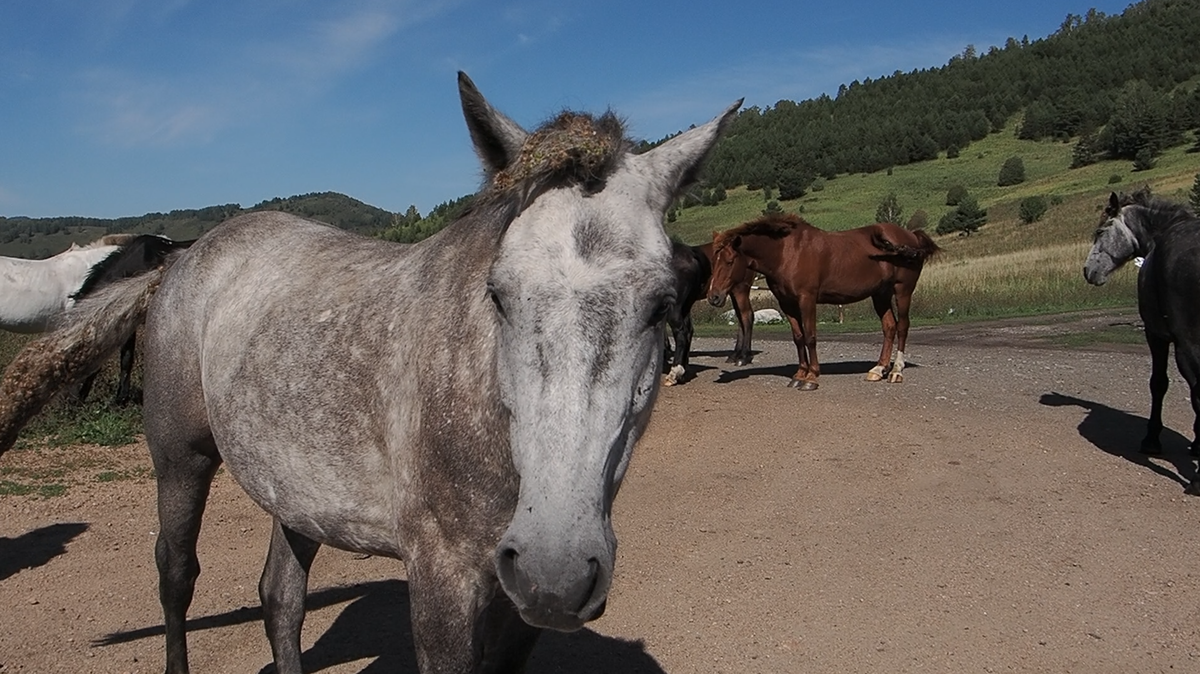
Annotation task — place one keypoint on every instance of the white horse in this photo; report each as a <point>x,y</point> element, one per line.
<point>33,293</point>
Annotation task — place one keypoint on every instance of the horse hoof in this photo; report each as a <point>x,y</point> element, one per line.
<point>874,376</point>
<point>1193,489</point>
<point>1151,447</point>
<point>803,384</point>
<point>668,381</point>
<point>896,378</point>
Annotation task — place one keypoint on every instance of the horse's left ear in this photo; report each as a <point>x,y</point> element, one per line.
<point>675,164</point>
<point>1114,205</point>
<point>497,138</point>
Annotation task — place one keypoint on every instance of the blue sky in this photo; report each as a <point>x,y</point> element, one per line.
<point>112,108</point>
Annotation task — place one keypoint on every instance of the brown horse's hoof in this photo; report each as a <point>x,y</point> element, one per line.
<point>803,384</point>
<point>896,378</point>
<point>874,376</point>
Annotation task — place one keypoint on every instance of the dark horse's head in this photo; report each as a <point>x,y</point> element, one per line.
<point>580,286</point>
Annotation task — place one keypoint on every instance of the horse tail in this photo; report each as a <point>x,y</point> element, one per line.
<point>924,249</point>
<point>90,332</point>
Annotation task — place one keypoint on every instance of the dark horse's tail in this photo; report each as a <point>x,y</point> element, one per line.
<point>925,248</point>
<point>106,315</point>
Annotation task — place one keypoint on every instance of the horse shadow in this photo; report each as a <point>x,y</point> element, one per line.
<point>35,548</point>
<point>376,626</point>
<point>841,367</point>
<point>1119,433</point>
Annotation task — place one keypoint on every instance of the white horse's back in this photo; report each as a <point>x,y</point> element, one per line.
<point>33,293</point>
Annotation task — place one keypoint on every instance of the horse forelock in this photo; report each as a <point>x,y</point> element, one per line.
<point>573,148</point>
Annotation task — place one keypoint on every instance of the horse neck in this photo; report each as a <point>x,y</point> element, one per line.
<point>1144,232</point>
<point>763,253</point>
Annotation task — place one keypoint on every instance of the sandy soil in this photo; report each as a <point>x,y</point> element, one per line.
<point>988,515</point>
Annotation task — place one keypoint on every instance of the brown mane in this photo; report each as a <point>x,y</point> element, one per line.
<point>774,225</point>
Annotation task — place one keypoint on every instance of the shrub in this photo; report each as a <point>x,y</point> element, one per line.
<point>956,194</point>
<point>1114,179</point>
<point>919,220</point>
<point>1032,209</point>
<point>964,219</point>
<point>1144,160</point>
<point>1012,172</point>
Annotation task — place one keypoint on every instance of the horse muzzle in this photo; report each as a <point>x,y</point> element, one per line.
<point>554,590</point>
<point>716,299</point>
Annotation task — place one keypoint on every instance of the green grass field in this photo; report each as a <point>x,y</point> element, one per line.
<point>1007,268</point>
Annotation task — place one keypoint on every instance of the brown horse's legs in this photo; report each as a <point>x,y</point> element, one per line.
<point>803,317</point>
<point>903,303</point>
<point>887,321</point>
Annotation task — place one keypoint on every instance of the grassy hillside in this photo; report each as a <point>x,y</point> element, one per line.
<point>1007,267</point>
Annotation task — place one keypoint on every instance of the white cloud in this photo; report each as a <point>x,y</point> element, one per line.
<point>129,107</point>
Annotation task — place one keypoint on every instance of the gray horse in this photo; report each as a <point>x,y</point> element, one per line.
<point>1167,235</point>
<point>483,449</point>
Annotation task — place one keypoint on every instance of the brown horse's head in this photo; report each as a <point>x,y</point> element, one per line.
<point>728,266</point>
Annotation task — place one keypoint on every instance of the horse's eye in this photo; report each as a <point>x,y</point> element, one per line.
<point>495,297</point>
<point>661,310</point>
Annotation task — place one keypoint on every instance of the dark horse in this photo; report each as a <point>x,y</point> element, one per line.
<point>805,266</point>
<point>135,256</point>
<point>1167,235</point>
<point>693,270</point>
<point>484,447</point>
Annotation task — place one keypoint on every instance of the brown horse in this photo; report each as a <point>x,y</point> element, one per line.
<point>739,294</point>
<point>805,266</point>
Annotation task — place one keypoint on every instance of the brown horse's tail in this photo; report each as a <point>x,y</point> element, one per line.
<point>91,332</point>
<point>925,248</point>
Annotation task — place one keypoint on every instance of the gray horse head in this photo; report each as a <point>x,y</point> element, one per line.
<point>581,284</point>
<point>1116,241</point>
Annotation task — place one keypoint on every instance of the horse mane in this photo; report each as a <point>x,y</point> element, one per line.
<point>1158,213</point>
<point>139,253</point>
<point>774,225</point>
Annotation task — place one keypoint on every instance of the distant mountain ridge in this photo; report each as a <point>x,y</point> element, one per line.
<point>42,237</point>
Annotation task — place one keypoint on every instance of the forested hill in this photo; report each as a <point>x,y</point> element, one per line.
<point>41,237</point>
<point>1126,84</point>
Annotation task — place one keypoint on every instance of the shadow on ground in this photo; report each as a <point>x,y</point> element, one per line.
<point>375,627</point>
<point>35,548</point>
<point>1119,433</point>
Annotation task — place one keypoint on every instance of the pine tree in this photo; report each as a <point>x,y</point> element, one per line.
<point>889,209</point>
<point>1012,172</point>
<point>1194,197</point>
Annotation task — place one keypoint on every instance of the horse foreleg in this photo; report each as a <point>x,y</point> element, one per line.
<point>507,639</point>
<point>1159,350</point>
<point>739,296</point>
<point>447,602</point>
<point>282,589</point>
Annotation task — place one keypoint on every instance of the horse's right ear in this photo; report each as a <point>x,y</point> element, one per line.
<point>1114,205</point>
<point>497,138</point>
<point>675,164</point>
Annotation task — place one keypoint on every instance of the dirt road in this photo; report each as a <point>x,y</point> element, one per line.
<point>988,515</point>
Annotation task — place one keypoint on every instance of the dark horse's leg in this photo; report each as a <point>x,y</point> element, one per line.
<point>682,331</point>
<point>128,350</point>
<point>282,588</point>
<point>1159,350</point>
<point>739,296</point>
<point>507,639</point>
<point>184,478</point>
